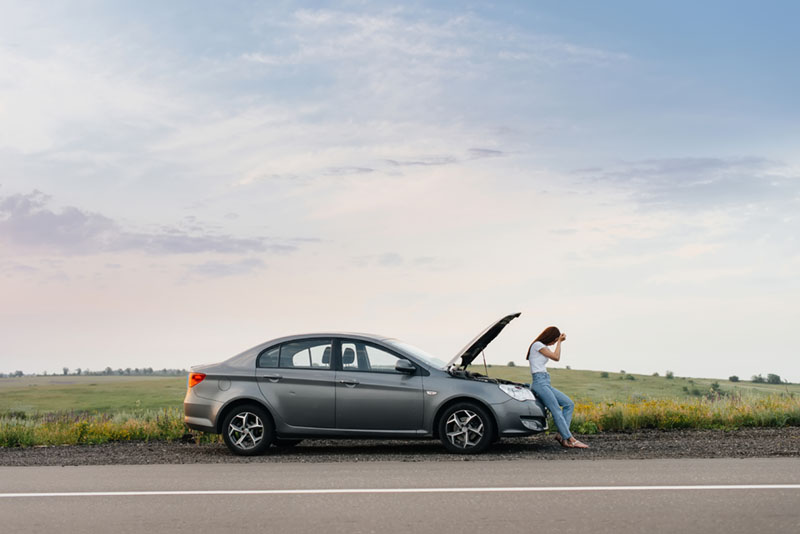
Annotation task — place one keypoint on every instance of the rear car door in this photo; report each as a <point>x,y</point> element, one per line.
<point>371,394</point>
<point>297,380</point>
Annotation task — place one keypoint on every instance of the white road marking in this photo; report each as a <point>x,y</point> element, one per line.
<point>323,491</point>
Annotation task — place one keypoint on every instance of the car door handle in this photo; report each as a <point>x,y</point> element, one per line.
<point>349,383</point>
<point>271,378</point>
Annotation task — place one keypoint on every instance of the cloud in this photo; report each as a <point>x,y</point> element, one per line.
<point>26,220</point>
<point>330,35</point>
<point>393,259</point>
<point>432,161</point>
<point>423,162</point>
<point>11,268</point>
<point>477,153</point>
<point>217,269</point>
<point>345,171</point>
<point>700,183</point>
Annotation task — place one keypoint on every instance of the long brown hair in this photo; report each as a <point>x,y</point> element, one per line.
<point>549,335</point>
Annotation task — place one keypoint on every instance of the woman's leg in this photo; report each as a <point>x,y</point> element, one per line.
<point>545,393</point>
<point>566,404</point>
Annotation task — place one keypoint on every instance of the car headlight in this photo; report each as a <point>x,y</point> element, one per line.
<point>519,393</point>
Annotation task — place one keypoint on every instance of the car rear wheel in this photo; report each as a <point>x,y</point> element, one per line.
<point>466,428</point>
<point>247,430</point>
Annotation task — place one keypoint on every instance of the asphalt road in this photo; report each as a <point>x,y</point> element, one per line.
<point>620,496</point>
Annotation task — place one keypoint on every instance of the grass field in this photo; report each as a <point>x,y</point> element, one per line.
<point>95,409</point>
<point>94,394</point>
<point>589,386</point>
<point>115,394</point>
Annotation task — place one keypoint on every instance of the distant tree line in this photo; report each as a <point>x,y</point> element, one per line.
<point>108,371</point>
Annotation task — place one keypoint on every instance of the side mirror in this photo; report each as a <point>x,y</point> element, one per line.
<point>405,366</point>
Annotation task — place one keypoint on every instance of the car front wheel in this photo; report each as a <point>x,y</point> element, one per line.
<point>466,428</point>
<point>247,430</point>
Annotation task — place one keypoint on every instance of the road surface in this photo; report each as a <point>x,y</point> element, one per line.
<point>619,496</point>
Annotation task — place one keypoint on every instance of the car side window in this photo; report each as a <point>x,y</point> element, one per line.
<point>306,354</point>
<point>359,356</point>
<point>269,358</point>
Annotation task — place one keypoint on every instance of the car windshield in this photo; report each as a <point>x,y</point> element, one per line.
<point>417,353</point>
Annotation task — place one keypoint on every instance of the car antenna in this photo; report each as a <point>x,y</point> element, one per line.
<point>485,369</point>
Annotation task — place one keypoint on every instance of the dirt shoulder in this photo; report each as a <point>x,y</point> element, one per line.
<point>749,443</point>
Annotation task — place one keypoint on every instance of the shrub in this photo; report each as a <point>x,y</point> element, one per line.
<point>758,379</point>
<point>669,375</point>
<point>568,368</point>
<point>655,374</point>
<point>685,389</point>
<point>773,379</point>
<point>630,377</point>
<point>511,364</point>
<point>604,374</point>
<point>733,378</point>
<point>586,427</point>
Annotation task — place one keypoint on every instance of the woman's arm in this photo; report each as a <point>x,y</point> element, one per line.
<point>554,355</point>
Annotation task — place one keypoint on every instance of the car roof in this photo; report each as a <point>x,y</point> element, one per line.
<point>357,335</point>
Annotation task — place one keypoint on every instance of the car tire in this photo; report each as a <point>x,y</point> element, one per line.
<point>466,428</point>
<point>283,443</point>
<point>247,430</point>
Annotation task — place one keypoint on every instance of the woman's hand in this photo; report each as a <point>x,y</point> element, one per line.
<point>562,337</point>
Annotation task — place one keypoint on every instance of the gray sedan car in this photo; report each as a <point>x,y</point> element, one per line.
<point>344,385</point>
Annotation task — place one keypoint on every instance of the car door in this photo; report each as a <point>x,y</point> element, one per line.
<point>371,394</point>
<point>297,381</point>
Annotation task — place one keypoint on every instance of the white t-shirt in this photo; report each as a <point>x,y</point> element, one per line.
<point>537,360</point>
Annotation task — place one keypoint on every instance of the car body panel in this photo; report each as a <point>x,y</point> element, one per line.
<point>479,342</point>
<point>302,397</point>
<point>378,401</point>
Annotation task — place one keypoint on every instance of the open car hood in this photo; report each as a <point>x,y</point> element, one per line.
<point>474,347</point>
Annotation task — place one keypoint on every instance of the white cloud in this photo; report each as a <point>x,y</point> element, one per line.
<point>27,222</point>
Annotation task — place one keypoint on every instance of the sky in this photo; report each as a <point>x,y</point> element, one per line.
<point>180,181</point>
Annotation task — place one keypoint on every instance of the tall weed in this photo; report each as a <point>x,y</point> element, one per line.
<point>80,428</point>
<point>729,412</point>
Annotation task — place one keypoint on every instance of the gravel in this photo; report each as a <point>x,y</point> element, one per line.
<point>748,443</point>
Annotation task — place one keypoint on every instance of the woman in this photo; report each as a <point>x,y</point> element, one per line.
<point>538,355</point>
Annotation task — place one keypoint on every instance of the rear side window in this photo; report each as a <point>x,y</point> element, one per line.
<point>269,358</point>
<point>306,354</point>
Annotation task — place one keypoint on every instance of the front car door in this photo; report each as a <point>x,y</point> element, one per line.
<point>297,380</point>
<point>371,394</point>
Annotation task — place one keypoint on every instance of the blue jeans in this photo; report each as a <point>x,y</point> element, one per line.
<point>555,402</point>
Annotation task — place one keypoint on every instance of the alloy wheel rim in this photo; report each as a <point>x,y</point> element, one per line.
<point>246,430</point>
<point>464,429</point>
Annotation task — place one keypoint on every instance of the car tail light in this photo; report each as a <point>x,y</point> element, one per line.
<point>196,378</point>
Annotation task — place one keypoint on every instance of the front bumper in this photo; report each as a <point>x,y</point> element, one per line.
<point>520,418</point>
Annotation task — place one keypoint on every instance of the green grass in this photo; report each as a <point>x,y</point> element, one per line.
<point>588,386</point>
<point>58,410</point>
<point>115,394</point>
<point>75,429</point>
<point>93,394</point>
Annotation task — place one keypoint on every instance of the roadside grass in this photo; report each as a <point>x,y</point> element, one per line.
<point>100,394</point>
<point>72,429</point>
<point>721,413</point>
<point>72,410</point>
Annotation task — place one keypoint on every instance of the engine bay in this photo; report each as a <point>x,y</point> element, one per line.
<point>469,375</point>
